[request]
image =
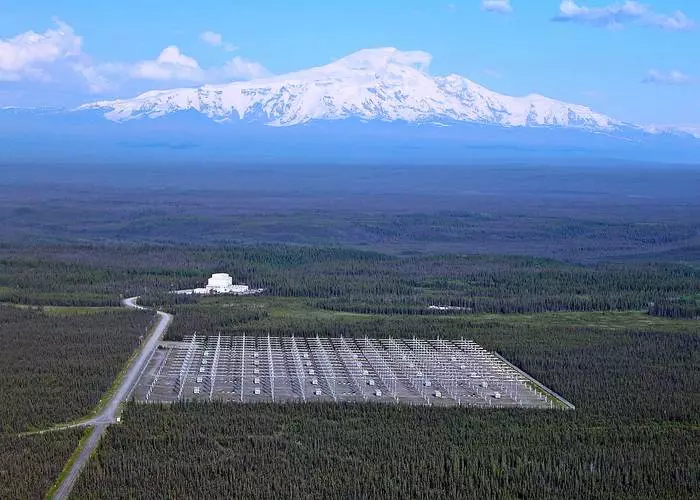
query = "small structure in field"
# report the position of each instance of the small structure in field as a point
(223, 283)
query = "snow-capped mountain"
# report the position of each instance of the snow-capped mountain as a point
(677, 129)
(374, 84)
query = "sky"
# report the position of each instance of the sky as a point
(633, 60)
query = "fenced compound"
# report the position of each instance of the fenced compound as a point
(283, 369)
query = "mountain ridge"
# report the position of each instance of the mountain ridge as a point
(377, 105)
(383, 84)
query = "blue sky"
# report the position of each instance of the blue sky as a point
(636, 61)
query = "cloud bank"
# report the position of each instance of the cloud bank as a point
(671, 78)
(56, 56)
(216, 40)
(617, 15)
(499, 6)
(44, 56)
(172, 65)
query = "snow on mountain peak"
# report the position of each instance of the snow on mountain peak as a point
(380, 59)
(372, 84)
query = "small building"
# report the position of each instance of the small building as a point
(317, 392)
(196, 390)
(438, 394)
(378, 393)
(314, 381)
(200, 379)
(497, 395)
(256, 391)
(223, 283)
(256, 380)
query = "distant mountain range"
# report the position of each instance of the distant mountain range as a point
(381, 99)
(377, 84)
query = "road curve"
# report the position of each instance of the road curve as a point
(109, 414)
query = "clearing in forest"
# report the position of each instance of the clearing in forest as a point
(251, 369)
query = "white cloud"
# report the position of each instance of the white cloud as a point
(417, 58)
(240, 68)
(500, 6)
(616, 15)
(37, 56)
(96, 82)
(671, 78)
(174, 66)
(171, 64)
(213, 39)
(56, 56)
(216, 40)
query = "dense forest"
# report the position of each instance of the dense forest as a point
(574, 212)
(634, 434)
(618, 339)
(57, 364)
(365, 451)
(30, 464)
(346, 280)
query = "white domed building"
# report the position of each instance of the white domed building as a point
(221, 283)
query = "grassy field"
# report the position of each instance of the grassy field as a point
(276, 314)
(64, 310)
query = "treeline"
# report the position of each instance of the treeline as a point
(468, 305)
(56, 367)
(342, 279)
(684, 307)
